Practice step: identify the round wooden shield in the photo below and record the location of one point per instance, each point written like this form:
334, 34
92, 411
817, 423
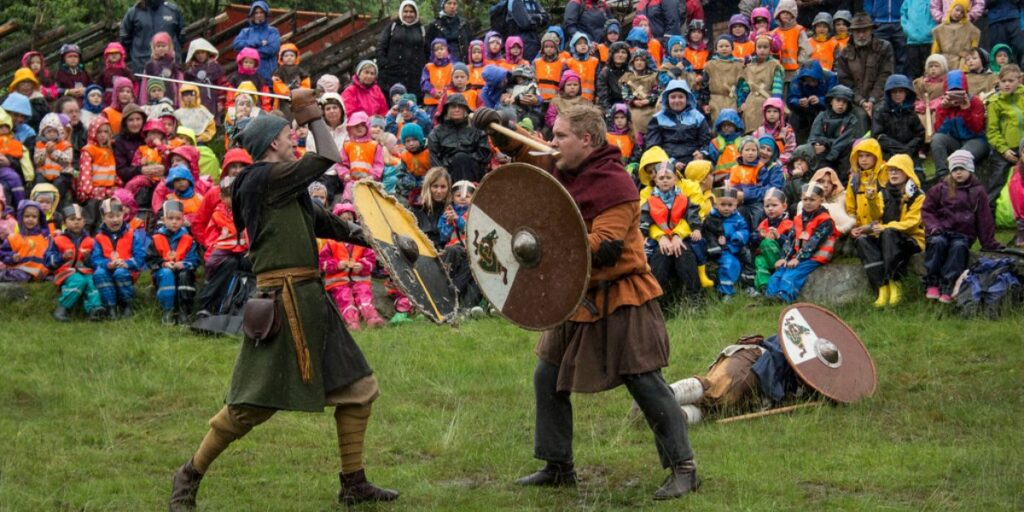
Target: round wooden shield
406, 252
528, 246
826, 354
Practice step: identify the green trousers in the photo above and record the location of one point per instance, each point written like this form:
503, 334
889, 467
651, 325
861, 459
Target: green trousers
77, 286
764, 263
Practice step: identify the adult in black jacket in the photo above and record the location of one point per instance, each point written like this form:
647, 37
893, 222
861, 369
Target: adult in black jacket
429, 205
402, 50
894, 123
456, 145
525, 19
609, 90
665, 17
587, 16
451, 27
144, 20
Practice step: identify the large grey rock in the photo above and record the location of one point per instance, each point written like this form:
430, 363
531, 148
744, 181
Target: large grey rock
836, 284
10, 292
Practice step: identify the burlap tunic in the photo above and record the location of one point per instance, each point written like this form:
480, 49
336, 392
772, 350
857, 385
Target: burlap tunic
722, 78
759, 77
267, 374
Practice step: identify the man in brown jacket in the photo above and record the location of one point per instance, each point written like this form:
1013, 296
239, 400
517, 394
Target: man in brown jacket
618, 335
864, 66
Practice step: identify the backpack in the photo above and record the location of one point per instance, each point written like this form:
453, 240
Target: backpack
987, 287
499, 18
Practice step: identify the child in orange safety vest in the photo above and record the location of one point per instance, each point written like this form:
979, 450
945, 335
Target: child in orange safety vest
172, 257
824, 47
584, 64
361, 156
68, 257
97, 173
667, 220
53, 157
118, 255
23, 253
811, 246
437, 74
796, 47
347, 269
415, 159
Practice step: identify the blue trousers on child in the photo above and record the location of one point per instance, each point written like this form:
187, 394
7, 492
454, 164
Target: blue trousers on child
77, 286
114, 285
786, 282
175, 286
729, 268
946, 256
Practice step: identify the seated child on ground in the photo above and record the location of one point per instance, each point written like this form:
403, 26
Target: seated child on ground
811, 246
347, 268
771, 235
667, 218
118, 255
23, 254
955, 214
68, 257
727, 226
172, 258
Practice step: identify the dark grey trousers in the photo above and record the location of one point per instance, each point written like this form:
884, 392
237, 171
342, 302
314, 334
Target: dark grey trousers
553, 435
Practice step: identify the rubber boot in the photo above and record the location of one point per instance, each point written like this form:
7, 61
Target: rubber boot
682, 480
554, 474
185, 488
883, 296
167, 318
895, 293
61, 314
356, 489
702, 273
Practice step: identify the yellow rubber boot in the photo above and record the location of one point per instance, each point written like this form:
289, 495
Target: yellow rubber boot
895, 293
883, 296
702, 273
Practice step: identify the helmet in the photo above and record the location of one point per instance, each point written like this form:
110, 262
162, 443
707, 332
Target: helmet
696, 25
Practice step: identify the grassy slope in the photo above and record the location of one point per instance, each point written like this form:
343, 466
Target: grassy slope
97, 417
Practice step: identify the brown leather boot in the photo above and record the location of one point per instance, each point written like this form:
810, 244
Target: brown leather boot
185, 488
356, 489
554, 474
682, 480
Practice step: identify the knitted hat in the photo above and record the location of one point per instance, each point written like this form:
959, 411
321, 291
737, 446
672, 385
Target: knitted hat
397, 89
262, 130
460, 67
961, 159
328, 83
378, 121
155, 84
412, 130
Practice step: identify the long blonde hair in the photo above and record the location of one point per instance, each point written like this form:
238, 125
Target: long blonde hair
434, 174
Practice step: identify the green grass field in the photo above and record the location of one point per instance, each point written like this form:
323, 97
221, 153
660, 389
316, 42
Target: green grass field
98, 417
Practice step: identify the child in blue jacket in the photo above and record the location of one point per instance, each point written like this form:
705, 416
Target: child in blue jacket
732, 233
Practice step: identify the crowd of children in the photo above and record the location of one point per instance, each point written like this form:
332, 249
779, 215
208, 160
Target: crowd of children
757, 158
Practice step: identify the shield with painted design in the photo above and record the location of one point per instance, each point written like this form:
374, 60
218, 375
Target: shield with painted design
406, 252
528, 246
826, 354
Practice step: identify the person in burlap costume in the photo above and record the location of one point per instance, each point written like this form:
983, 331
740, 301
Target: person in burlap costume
617, 336
310, 361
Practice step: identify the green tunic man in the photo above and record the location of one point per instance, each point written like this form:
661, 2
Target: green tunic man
310, 361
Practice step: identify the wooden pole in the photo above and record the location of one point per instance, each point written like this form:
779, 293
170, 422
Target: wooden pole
769, 412
529, 141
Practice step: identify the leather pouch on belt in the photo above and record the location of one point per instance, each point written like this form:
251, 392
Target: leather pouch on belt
260, 320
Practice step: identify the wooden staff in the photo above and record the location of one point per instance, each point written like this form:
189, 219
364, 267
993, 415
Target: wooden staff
538, 146
215, 87
769, 412
929, 130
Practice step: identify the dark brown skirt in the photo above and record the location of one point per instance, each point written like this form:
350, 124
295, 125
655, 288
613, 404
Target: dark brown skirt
593, 356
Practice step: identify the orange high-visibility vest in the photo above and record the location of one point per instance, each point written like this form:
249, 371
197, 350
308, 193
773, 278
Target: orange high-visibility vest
743, 174
191, 204
824, 253
476, 77
623, 141
784, 226
656, 50
662, 217
360, 157
743, 50
163, 247
114, 116
50, 169
10, 147
790, 46
548, 76
824, 52
104, 166
416, 164
587, 69
123, 250
341, 253
728, 154
32, 251
77, 261
697, 58
440, 77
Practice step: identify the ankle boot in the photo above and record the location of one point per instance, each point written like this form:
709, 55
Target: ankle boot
356, 489
61, 314
554, 474
185, 488
702, 273
682, 480
883, 296
895, 293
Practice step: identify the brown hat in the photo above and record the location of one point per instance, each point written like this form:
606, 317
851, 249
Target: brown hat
862, 20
